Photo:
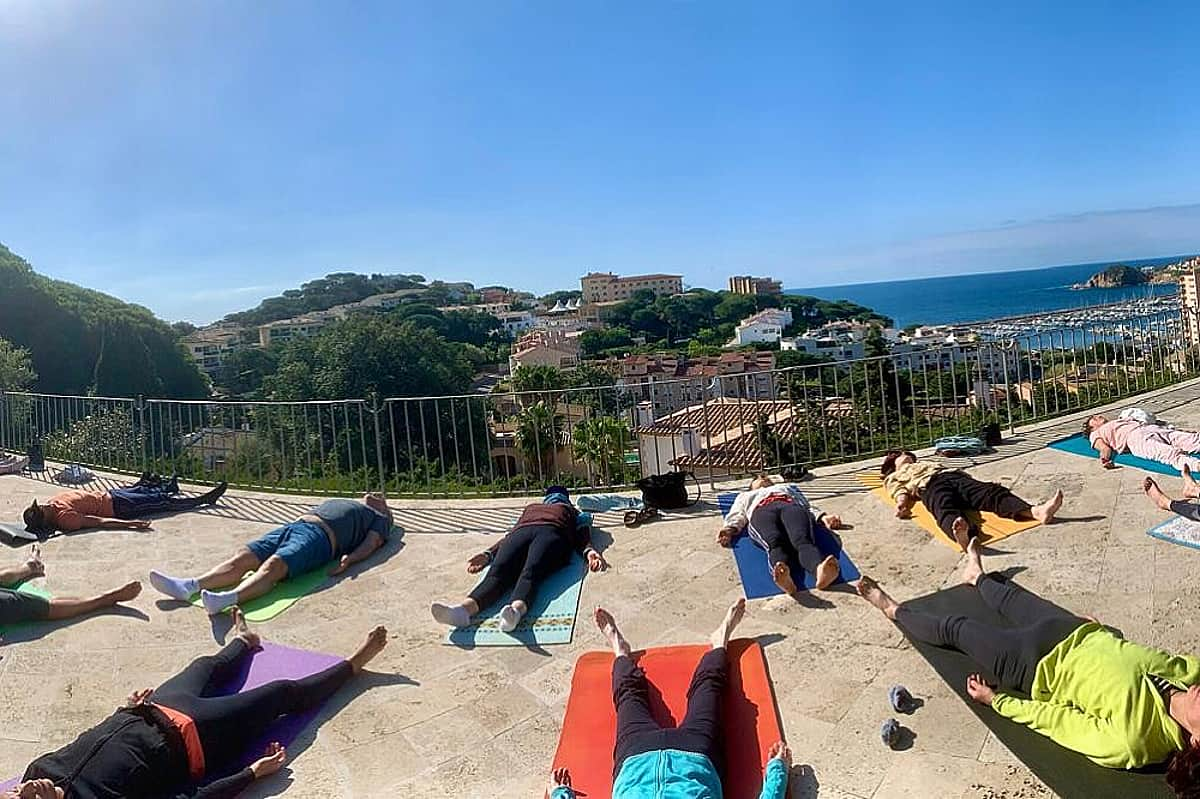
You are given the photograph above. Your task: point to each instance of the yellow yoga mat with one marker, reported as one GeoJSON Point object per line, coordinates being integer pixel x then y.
{"type": "Point", "coordinates": [992, 527]}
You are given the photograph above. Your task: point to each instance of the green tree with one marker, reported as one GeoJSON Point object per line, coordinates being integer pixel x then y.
{"type": "Point", "coordinates": [538, 429]}
{"type": "Point", "coordinates": [538, 383]}
{"type": "Point", "coordinates": [601, 442]}
{"type": "Point", "coordinates": [243, 371]}
{"type": "Point", "coordinates": [16, 369]}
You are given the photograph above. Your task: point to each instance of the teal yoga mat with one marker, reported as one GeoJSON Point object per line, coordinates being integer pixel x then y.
{"type": "Point", "coordinates": [1078, 445]}
{"type": "Point", "coordinates": [550, 620]}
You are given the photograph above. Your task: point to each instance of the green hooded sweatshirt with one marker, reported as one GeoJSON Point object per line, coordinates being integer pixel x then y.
{"type": "Point", "coordinates": [1092, 694]}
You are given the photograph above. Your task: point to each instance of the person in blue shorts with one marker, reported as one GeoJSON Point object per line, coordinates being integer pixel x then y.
{"type": "Point", "coordinates": [338, 531]}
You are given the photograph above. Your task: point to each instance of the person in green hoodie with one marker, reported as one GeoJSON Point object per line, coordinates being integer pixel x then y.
{"type": "Point", "coordinates": [1120, 704]}
{"type": "Point", "coordinates": [649, 760]}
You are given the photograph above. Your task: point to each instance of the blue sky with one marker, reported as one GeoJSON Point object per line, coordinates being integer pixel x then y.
{"type": "Point", "coordinates": [196, 156]}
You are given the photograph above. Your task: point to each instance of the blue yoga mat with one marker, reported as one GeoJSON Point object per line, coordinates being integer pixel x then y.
{"type": "Point", "coordinates": [1079, 445]}
{"type": "Point", "coordinates": [550, 620]}
{"type": "Point", "coordinates": [755, 570]}
{"type": "Point", "coordinates": [1178, 530]}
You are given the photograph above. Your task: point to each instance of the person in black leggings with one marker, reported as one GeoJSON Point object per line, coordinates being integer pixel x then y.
{"type": "Point", "coordinates": [539, 544]}
{"type": "Point", "coordinates": [1185, 507]}
{"type": "Point", "coordinates": [163, 743]}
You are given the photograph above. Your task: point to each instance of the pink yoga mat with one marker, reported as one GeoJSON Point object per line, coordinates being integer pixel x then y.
{"type": "Point", "coordinates": [272, 662]}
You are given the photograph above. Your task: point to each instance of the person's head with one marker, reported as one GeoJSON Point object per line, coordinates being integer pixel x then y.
{"type": "Point", "coordinates": [893, 459]}
{"type": "Point", "coordinates": [36, 518]}
{"type": "Point", "coordinates": [1183, 772]}
{"type": "Point", "coordinates": [557, 495]}
{"type": "Point", "coordinates": [1093, 422]}
{"type": "Point", "coordinates": [377, 502]}
{"type": "Point", "coordinates": [761, 481]}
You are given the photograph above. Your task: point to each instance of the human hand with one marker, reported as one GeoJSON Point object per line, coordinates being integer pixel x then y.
{"type": "Point", "coordinates": [560, 778]}
{"type": "Point", "coordinates": [138, 524]}
{"type": "Point", "coordinates": [342, 565]}
{"type": "Point", "coordinates": [979, 690]}
{"type": "Point", "coordinates": [832, 521]}
{"type": "Point", "coordinates": [269, 763]}
{"type": "Point", "coordinates": [725, 536]}
{"type": "Point", "coordinates": [903, 511]}
{"type": "Point", "coordinates": [781, 751]}
{"type": "Point", "coordinates": [478, 563]}
{"type": "Point", "coordinates": [34, 789]}
{"type": "Point", "coordinates": [139, 697]}
{"type": "Point", "coordinates": [596, 561]}
{"type": "Point", "coordinates": [1108, 463]}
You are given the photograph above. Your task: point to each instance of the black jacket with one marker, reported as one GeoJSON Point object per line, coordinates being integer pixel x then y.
{"type": "Point", "coordinates": [133, 754]}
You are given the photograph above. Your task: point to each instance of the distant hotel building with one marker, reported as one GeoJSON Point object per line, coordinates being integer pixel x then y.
{"type": "Point", "coordinates": [545, 348]}
{"type": "Point", "coordinates": [744, 284]}
{"type": "Point", "coordinates": [606, 287]}
{"type": "Point", "coordinates": [209, 346]}
{"type": "Point", "coordinates": [1189, 300]}
{"type": "Point", "coordinates": [764, 327]}
{"type": "Point", "coordinates": [668, 382]}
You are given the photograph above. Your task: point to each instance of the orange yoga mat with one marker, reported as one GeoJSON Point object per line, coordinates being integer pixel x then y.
{"type": "Point", "coordinates": [750, 718]}
{"type": "Point", "coordinates": [992, 527]}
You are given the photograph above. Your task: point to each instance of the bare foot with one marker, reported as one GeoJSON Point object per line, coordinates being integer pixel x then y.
{"type": "Point", "coordinates": [781, 573]}
{"type": "Point", "coordinates": [1155, 493]}
{"type": "Point", "coordinates": [1044, 513]}
{"type": "Point", "coordinates": [733, 616]}
{"type": "Point", "coordinates": [1191, 489]}
{"type": "Point", "coordinates": [376, 641]}
{"type": "Point", "coordinates": [869, 590]}
{"type": "Point", "coordinates": [974, 568]}
{"type": "Point", "coordinates": [252, 639]}
{"type": "Point", "coordinates": [124, 593]}
{"type": "Point", "coordinates": [827, 572]}
{"type": "Point", "coordinates": [608, 626]}
{"type": "Point", "coordinates": [962, 532]}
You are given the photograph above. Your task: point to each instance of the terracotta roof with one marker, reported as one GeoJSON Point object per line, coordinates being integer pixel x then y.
{"type": "Point", "coordinates": [719, 417]}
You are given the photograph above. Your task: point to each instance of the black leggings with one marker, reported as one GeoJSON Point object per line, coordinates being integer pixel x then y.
{"type": "Point", "coordinates": [137, 502]}
{"type": "Point", "coordinates": [1188, 510]}
{"type": "Point", "coordinates": [700, 730]}
{"type": "Point", "coordinates": [526, 556]}
{"type": "Point", "coordinates": [951, 494]}
{"type": "Point", "coordinates": [787, 529]}
{"type": "Point", "coordinates": [227, 724]}
{"type": "Point", "coordinates": [1010, 654]}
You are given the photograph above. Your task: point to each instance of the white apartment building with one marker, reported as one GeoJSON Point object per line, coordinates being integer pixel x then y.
{"type": "Point", "coordinates": [764, 327]}
{"type": "Point", "coordinates": [609, 287]}
{"type": "Point", "coordinates": [545, 348]}
{"type": "Point", "coordinates": [516, 322]}
{"type": "Point", "coordinates": [211, 345]}
{"type": "Point", "coordinates": [1189, 301]}
{"type": "Point", "coordinates": [297, 327]}
{"type": "Point", "coordinates": [668, 382]}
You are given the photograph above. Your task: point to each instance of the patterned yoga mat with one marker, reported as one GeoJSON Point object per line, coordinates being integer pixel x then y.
{"type": "Point", "coordinates": [550, 620]}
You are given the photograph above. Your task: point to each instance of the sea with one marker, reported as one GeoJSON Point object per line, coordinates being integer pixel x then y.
{"type": "Point", "coordinates": [990, 295]}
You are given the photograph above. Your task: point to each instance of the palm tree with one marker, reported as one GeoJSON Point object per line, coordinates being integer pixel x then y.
{"type": "Point", "coordinates": [538, 430]}
{"type": "Point", "coordinates": [601, 441]}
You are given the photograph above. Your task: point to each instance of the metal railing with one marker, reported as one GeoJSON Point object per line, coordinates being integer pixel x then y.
{"type": "Point", "coordinates": [717, 425]}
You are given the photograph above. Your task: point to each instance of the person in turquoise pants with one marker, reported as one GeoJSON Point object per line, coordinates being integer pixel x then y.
{"type": "Point", "coordinates": [682, 761]}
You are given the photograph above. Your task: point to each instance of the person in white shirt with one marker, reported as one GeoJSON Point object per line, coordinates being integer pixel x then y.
{"type": "Point", "coordinates": [779, 518]}
{"type": "Point", "coordinates": [1145, 438]}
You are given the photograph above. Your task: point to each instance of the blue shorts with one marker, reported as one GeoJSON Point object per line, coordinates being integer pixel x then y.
{"type": "Point", "coordinates": [303, 546]}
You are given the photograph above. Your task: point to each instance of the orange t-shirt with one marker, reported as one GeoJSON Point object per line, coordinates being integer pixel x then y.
{"type": "Point", "coordinates": [72, 506]}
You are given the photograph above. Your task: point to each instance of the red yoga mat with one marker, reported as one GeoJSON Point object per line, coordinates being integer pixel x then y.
{"type": "Point", "coordinates": [750, 717]}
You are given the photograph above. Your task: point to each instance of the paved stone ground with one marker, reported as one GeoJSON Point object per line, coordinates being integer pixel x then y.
{"type": "Point", "coordinates": [442, 722]}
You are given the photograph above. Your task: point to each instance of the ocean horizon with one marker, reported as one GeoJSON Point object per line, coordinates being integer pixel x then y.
{"type": "Point", "coordinates": [977, 297]}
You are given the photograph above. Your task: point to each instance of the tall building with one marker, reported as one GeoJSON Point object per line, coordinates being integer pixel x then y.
{"type": "Point", "coordinates": [1189, 303]}
{"type": "Point", "coordinates": [607, 287]}
{"type": "Point", "coordinates": [744, 284]}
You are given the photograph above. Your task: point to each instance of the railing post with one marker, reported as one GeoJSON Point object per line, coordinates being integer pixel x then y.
{"type": "Point", "coordinates": [375, 408]}
{"type": "Point", "coordinates": [140, 404]}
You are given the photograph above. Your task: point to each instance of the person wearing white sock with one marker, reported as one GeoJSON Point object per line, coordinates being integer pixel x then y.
{"type": "Point", "coordinates": [338, 531]}
{"type": "Point", "coordinates": [539, 544]}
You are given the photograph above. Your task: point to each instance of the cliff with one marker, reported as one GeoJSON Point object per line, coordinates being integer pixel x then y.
{"type": "Point", "coordinates": [1116, 276]}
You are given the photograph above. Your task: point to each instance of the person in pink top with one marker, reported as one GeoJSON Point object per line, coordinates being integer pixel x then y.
{"type": "Point", "coordinates": [1150, 440]}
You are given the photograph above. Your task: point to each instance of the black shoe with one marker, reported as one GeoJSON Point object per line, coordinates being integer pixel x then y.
{"type": "Point", "coordinates": [171, 487]}
{"type": "Point", "coordinates": [212, 496]}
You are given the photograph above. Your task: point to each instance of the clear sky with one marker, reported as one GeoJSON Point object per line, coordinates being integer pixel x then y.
{"type": "Point", "coordinates": [195, 156]}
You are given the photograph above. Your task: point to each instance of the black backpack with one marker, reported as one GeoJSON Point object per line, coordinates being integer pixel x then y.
{"type": "Point", "coordinates": [668, 491]}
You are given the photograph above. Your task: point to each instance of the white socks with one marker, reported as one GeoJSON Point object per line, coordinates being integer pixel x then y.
{"type": "Point", "coordinates": [450, 615]}
{"type": "Point", "coordinates": [217, 601]}
{"type": "Point", "coordinates": [174, 587]}
{"type": "Point", "coordinates": [510, 617]}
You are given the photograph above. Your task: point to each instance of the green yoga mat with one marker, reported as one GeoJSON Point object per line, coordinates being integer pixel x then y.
{"type": "Point", "coordinates": [281, 597]}
{"type": "Point", "coordinates": [550, 620]}
{"type": "Point", "coordinates": [31, 590]}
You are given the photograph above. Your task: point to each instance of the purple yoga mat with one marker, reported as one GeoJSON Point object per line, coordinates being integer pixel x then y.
{"type": "Point", "coordinates": [272, 663]}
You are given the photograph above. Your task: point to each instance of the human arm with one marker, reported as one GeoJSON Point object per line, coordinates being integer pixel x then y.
{"type": "Point", "coordinates": [479, 562]}
{"type": "Point", "coordinates": [1075, 729]}
{"type": "Point", "coordinates": [369, 545]}
{"type": "Point", "coordinates": [85, 522]}
{"type": "Point", "coordinates": [775, 778]}
{"type": "Point", "coordinates": [831, 520]}
{"type": "Point", "coordinates": [583, 544]}
{"type": "Point", "coordinates": [1106, 454]}
{"type": "Point", "coordinates": [736, 520]}
{"type": "Point", "coordinates": [231, 786]}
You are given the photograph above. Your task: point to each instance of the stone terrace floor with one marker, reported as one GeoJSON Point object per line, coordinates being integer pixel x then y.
{"type": "Point", "coordinates": [484, 723]}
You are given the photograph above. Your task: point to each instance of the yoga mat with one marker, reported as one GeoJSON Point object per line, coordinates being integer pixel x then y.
{"type": "Point", "coordinates": [281, 597]}
{"type": "Point", "coordinates": [272, 662]}
{"type": "Point", "coordinates": [1079, 445]}
{"type": "Point", "coordinates": [1066, 773]}
{"type": "Point", "coordinates": [32, 590]}
{"type": "Point", "coordinates": [550, 620]}
{"type": "Point", "coordinates": [15, 534]}
{"type": "Point", "coordinates": [749, 721]}
{"type": "Point", "coordinates": [755, 570]}
{"type": "Point", "coordinates": [992, 527]}
{"type": "Point", "coordinates": [1178, 530]}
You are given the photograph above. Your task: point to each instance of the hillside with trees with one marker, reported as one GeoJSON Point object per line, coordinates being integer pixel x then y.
{"type": "Point", "coordinates": [81, 341]}
{"type": "Point", "coordinates": [324, 293]}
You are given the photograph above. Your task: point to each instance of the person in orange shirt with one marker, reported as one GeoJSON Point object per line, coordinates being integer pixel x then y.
{"type": "Point", "coordinates": [115, 509]}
